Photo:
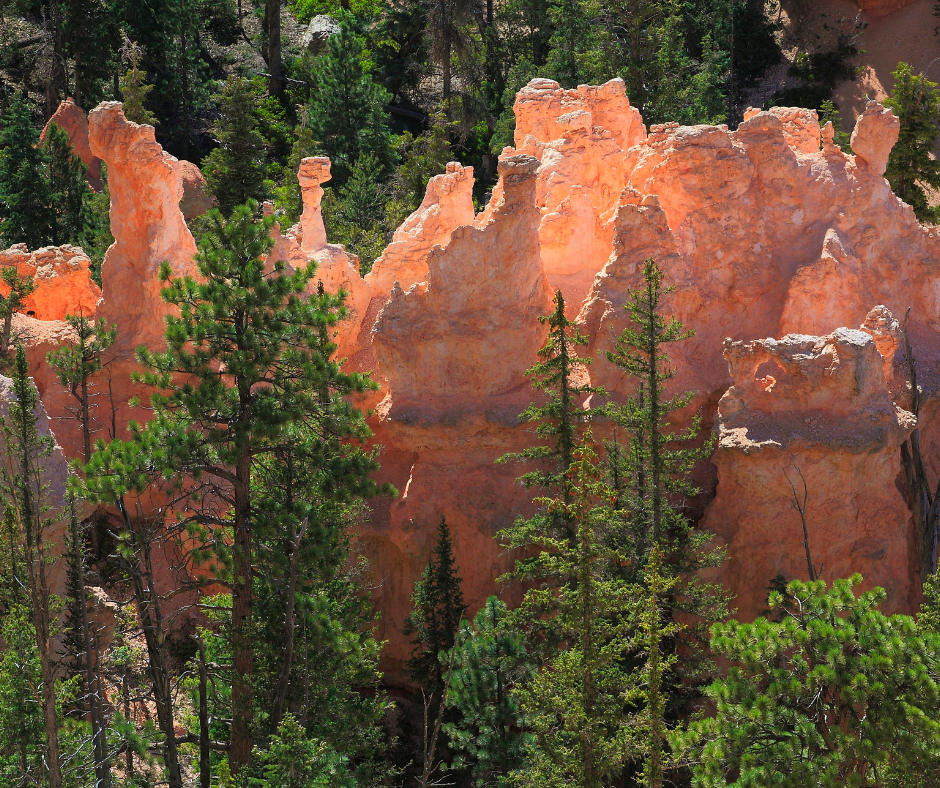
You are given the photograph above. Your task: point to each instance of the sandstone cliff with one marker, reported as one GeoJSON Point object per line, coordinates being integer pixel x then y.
{"type": "Point", "coordinates": [769, 230]}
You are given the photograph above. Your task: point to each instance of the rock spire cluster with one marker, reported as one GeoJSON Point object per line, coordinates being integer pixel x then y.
{"type": "Point", "coordinates": [791, 259]}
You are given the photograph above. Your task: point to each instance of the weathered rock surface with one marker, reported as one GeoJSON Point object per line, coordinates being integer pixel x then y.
{"type": "Point", "coordinates": [766, 231]}
{"type": "Point", "coordinates": [813, 410]}
{"type": "Point", "coordinates": [580, 138]}
{"type": "Point", "coordinates": [454, 350]}
{"type": "Point", "coordinates": [318, 32]}
{"type": "Point", "coordinates": [62, 279]}
{"type": "Point", "coordinates": [146, 186]}
{"type": "Point", "coordinates": [196, 200]}
{"type": "Point", "coordinates": [71, 119]}
{"type": "Point", "coordinates": [874, 136]}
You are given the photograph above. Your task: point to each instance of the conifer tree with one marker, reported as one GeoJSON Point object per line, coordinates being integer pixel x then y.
{"type": "Point", "coordinates": [347, 114]}
{"type": "Point", "coordinates": [24, 490]}
{"type": "Point", "coordinates": [651, 474]}
{"type": "Point", "coordinates": [581, 705]}
{"type": "Point", "coordinates": [235, 170]}
{"type": "Point", "coordinates": [435, 619]}
{"type": "Point", "coordinates": [490, 664]}
{"type": "Point", "coordinates": [134, 88]}
{"type": "Point", "coordinates": [27, 214]}
{"type": "Point", "coordinates": [559, 417]}
{"type": "Point", "coordinates": [916, 102]}
{"type": "Point", "coordinates": [76, 364]}
{"type": "Point", "coordinates": [834, 693]}
{"type": "Point", "coordinates": [71, 194]}
{"type": "Point", "coordinates": [82, 646]}
{"type": "Point", "coordinates": [247, 359]}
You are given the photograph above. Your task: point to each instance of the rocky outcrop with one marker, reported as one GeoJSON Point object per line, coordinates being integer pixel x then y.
{"type": "Point", "coordinates": [875, 134]}
{"type": "Point", "coordinates": [146, 186]}
{"type": "Point", "coordinates": [454, 351]}
{"type": "Point", "coordinates": [766, 231]}
{"type": "Point", "coordinates": [71, 119]}
{"type": "Point", "coordinates": [318, 32]}
{"type": "Point", "coordinates": [196, 200]}
{"type": "Point", "coordinates": [62, 279]}
{"type": "Point", "coordinates": [813, 411]}
{"type": "Point", "coordinates": [580, 138]}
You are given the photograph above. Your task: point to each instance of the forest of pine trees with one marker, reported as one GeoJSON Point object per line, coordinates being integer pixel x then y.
{"type": "Point", "coordinates": [613, 663]}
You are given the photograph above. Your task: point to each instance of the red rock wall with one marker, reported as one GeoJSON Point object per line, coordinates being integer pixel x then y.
{"type": "Point", "coordinates": [766, 231]}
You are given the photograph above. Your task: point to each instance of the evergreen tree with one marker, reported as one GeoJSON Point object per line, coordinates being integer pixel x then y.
{"type": "Point", "coordinates": [21, 719]}
{"type": "Point", "coordinates": [134, 89]}
{"type": "Point", "coordinates": [355, 216]}
{"type": "Point", "coordinates": [293, 760]}
{"type": "Point", "coordinates": [435, 619]}
{"type": "Point", "coordinates": [423, 158]}
{"type": "Point", "coordinates": [916, 102]}
{"type": "Point", "coordinates": [76, 364]}
{"type": "Point", "coordinates": [347, 114]}
{"type": "Point", "coordinates": [235, 170]}
{"type": "Point", "coordinates": [558, 418]}
{"type": "Point", "coordinates": [581, 705]}
{"type": "Point", "coordinates": [71, 194]}
{"type": "Point", "coordinates": [248, 358]}
{"type": "Point", "coordinates": [24, 490]}
{"type": "Point", "coordinates": [490, 664]}
{"type": "Point", "coordinates": [834, 693]}
{"type": "Point", "coordinates": [27, 214]}
{"type": "Point", "coordinates": [651, 474]}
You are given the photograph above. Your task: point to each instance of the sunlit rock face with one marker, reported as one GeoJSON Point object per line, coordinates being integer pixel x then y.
{"type": "Point", "coordinates": [769, 230]}
{"type": "Point", "coordinates": [72, 120]}
{"type": "Point", "coordinates": [61, 278]}
{"type": "Point", "coordinates": [809, 421]}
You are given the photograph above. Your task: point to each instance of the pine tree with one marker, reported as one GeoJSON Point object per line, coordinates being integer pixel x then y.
{"type": "Point", "coordinates": [355, 216]}
{"type": "Point", "coordinates": [235, 170]}
{"type": "Point", "coordinates": [559, 417]}
{"type": "Point", "coordinates": [71, 194]}
{"type": "Point", "coordinates": [24, 490]}
{"type": "Point", "coordinates": [916, 102]}
{"type": "Point", "coordinates": [490, 663]}
{"type": "Point", "coordinates": [134, 89]}
{"type": "Point", "coordinates": [581, 706]}
{"type": "Point", "coordinates": [76, 364]}
{"type": "Point", "coordinates": [651, 475]}
{"type": "Point", "coordinates": [347, 114]}
{"type": "Point", "coordinates": [435, 619]}
{"type": "Point", "coordinates": [451, 36]}
{"type": "Point", "coordinates": [239, 328]}
{"type": "Point", "coordinates": [834, 693]}
{"type": "Point", "coordinates": [27, 214]}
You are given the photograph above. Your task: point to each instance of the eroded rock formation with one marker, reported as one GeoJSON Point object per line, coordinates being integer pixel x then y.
{"type": "Point", "coordinates": [769, 230]}
{"type": "Point", "coordinates": [62, 279]}
{"type": "Point", "coordinates": [71, 119]}
{"type": "Point", "coordinates": [816, 411]}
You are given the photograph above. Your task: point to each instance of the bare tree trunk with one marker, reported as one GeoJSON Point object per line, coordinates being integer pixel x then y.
{"type": "Point", "coordinates": [273, 18]}
{"type": "Point", "coordinates": [92, 682]}
{"type": "Point", "coordinates": [205, 774]}
{"type": "Point", "coordinates": [39, 593]}
{"type": "Point", "coordinates": [239, 754]}
{"type": "Point", "coordinates": [284, 678]}
{"type": "Point", "coordinates": [151, 619]}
